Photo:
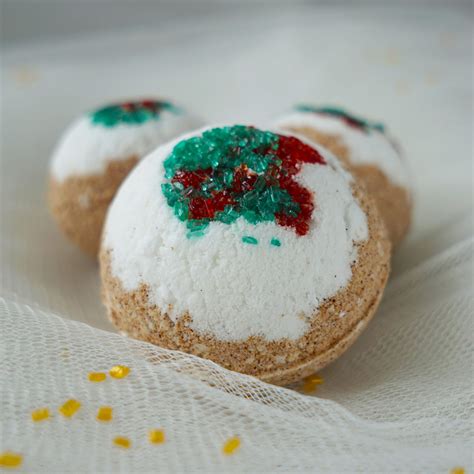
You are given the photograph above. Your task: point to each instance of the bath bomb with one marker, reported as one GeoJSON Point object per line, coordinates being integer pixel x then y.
{"type": "Point", "coordinates": [368, 151]}
{"type": "Point", "coordinates": [253, 248]}
{"type": "Point", "coordinates": [97, 152]}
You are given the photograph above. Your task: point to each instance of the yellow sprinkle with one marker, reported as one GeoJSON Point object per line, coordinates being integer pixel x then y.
{"type": "Point", "coordinates": [156, 436]}
{"type": "Point", "coordinates": [104, 414]}
{"type": "Point", "coordinates": [309, 387]}
{"type": "Point", "coordinates": [122, 441]}
{"type": "Point", "coordinates": [311, 382]}
{"type": "Point", "coordinates": [97, 376]}
{"type": "Point", "coordinates": [69, 408]}
{"type": "Point", "coordinates": [458, 470]}
{"type": "Point", "coordinates": [9, 459]}
{"type": "Point", "coordinates": [25, 75]}
{"type": "Point", "coordinates": [231, 445]}
{"type": "Point", "coordinates": [40, 414]}
{"type": "Point", "coordinates": [119, 371]}
{"type": "Point", "coordinates": [314, 378]}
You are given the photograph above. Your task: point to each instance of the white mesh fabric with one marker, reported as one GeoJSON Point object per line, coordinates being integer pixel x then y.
{"type": "Point", "coordinates": [400, 400]}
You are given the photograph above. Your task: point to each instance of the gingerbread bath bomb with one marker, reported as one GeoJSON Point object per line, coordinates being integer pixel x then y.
{"type": "Point", "coordinates": [367, 150]}
{"type": "Point", "coordinates": [95, 155]}
{"type": "Point", "coordinates": [253, 248]}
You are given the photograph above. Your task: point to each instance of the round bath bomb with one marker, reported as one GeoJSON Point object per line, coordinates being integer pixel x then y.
{"type": "Point", "coordinates": [368, 152]}
{"type": "Point", "coordinates": [97, 152]}
{"type": "Point", "coordinates": [252, 248]}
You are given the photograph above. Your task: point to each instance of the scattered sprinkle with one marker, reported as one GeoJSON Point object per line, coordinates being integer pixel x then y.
{"type": "Point", "coordinates": [104, 414]}
{"type": "Point", "coordinates": [40, 414]}
{"type": "Point", "coordinates": [458, 470]}
{"type": "Point", "coordinates": [249, 240]}
{"type": "Point", "coordinates": [119, 371]}
{"type": "Point", "coordinates": [9, 459]}
{"type": "Point", "coordinates": [122, 442]}
{"type": "Point", "coordinates": [311, 382]}
{"type": "Point", "coordinates": [97, 376]}
{"type": "Point", "coordinates": [402, 87]}
{"type": "Point", "coordinates": [156, 436]}
{"type": "Point", "coordinates": [25, 75]}
{"type": "Point", "coordinates": [275, 242]}
{"type": "Point", "coordinates": [392, 57]}
{"type": "Point", "coordinates": [231, 445]}
{"type": "Point", "coordinates": [69, 408]}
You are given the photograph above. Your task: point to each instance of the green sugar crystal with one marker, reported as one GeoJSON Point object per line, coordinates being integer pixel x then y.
{"type": "Point", "coordinates": [247, 239]}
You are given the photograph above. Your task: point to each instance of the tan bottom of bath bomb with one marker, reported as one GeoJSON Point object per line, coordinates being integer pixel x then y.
{"type": "Point", "coordinates": [330, 332]}
{"type": "Point", "coordinates": [79, 203]}
{"type": "Point", "coordinates": [393, 201]}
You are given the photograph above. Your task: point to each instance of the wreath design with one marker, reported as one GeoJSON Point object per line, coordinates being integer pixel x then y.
{"type": "Point", "coordinates": [351, 120]}
{"type": "Point", "coordinates": [130, 113]}
{"type": "Point", "coordinates": [239, 171]}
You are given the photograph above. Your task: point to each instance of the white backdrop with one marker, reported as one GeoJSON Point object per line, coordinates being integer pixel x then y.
{"type": "Point", "coordinates": [399, 401]}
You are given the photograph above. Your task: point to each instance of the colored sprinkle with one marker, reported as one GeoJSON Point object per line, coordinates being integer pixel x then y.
{"type": "Point", "coordinates": [9, 459]}
{"type": "Point", "coordinates": [311, 382]}
{"type": "Point", "coordinates": [231, 445]}
{"type": "Point", "coordinates": [314, 378]}
{"type": "Point", "coordinates": [122, 441]}
{"type": "Point", "coordinates": [237, 172]}
{"type": "Point", "coordinates": [457, 470]}
{"type": "Point", "coordinates": [156, 436]}
{"type": "Point", "coordinates": [249, 240]}
{"type": "Point", "coordinates": [104, 414]}
{"type": "Point", "coordinates": [97, 376]}
{"type": "Point", "coordinates": [119, 371]}
{"type": "Point", "coordinates": [275, 242]}
{"type": "Point", "coordinates": [40, 414]}
{"type": "Point", "coordinates": [69, 408]}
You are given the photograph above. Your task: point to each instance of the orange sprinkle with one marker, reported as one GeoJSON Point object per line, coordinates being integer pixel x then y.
{"type": "Point", "coordinates": [311, 382]}
{"type": "Point", "coordinates": [231, 445]}
{"type": "Point", "coordinates": [314, 378]}
{"type": "Point", "coordinates": [40, 414]}
{"type": "Point", "coordinates": [458, 470]}
{"type": "Point", "coordinates": [122, 441]}
{"type": "Point", "coordinates": [97, 376]}
{"type": "Point", "coordinates": [119, 371]}
{"type": "Point", "coordinates": [69, 408]}
{"type": "Point", "coordinates": [104, 414]}
{"type": "Point", "coordinates": [156, 436]}
{"type": "Point", "coordinates": [9, 459]}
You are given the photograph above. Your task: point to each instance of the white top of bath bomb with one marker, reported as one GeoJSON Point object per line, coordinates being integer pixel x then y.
{"type": "Point", "coordinates": [86, 147]}
{"type": "Point", "coordinates": [365, 147]}
{"type": "Point", "coordinates": [233, 290]}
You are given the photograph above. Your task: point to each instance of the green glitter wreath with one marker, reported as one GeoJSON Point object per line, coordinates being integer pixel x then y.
{"type": "Point", "coordinates": [131, 113]}
{"type": "Point", "coordinates": [342, 114]}
{"type": "Point", "coordinates": [238, 171]}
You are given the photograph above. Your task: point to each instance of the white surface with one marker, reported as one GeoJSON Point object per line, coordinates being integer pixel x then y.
{"type": "Point", "coordinates": [232, 290]}
{"type": "Point", "coordinates": [85, 148]}
{"type": "Point", "coordinates": [400, 400]}
{"type": "Point", "coordinates": [371, 147]}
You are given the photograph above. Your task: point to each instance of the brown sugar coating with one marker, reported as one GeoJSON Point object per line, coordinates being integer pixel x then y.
{"type": "Point", "coordinates": [393, 201]}
{"type": "Point", "coordinates": [79, 203]}
{"type": "Point", "coordinates": [331, 330]}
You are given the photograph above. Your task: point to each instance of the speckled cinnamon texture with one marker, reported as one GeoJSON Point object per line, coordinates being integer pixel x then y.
{"type": "Point", "coordinates": [331, 330]}
{"type": "Point", "coordinates": [79, 204]}
{"type": "Point", "coordinates": [393, 201]}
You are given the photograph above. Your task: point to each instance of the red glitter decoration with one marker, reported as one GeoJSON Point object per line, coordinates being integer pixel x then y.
{"type": "Point", "coordinates": [293, 153]}
{"type": "Point", "coordinates": [290, 155]}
